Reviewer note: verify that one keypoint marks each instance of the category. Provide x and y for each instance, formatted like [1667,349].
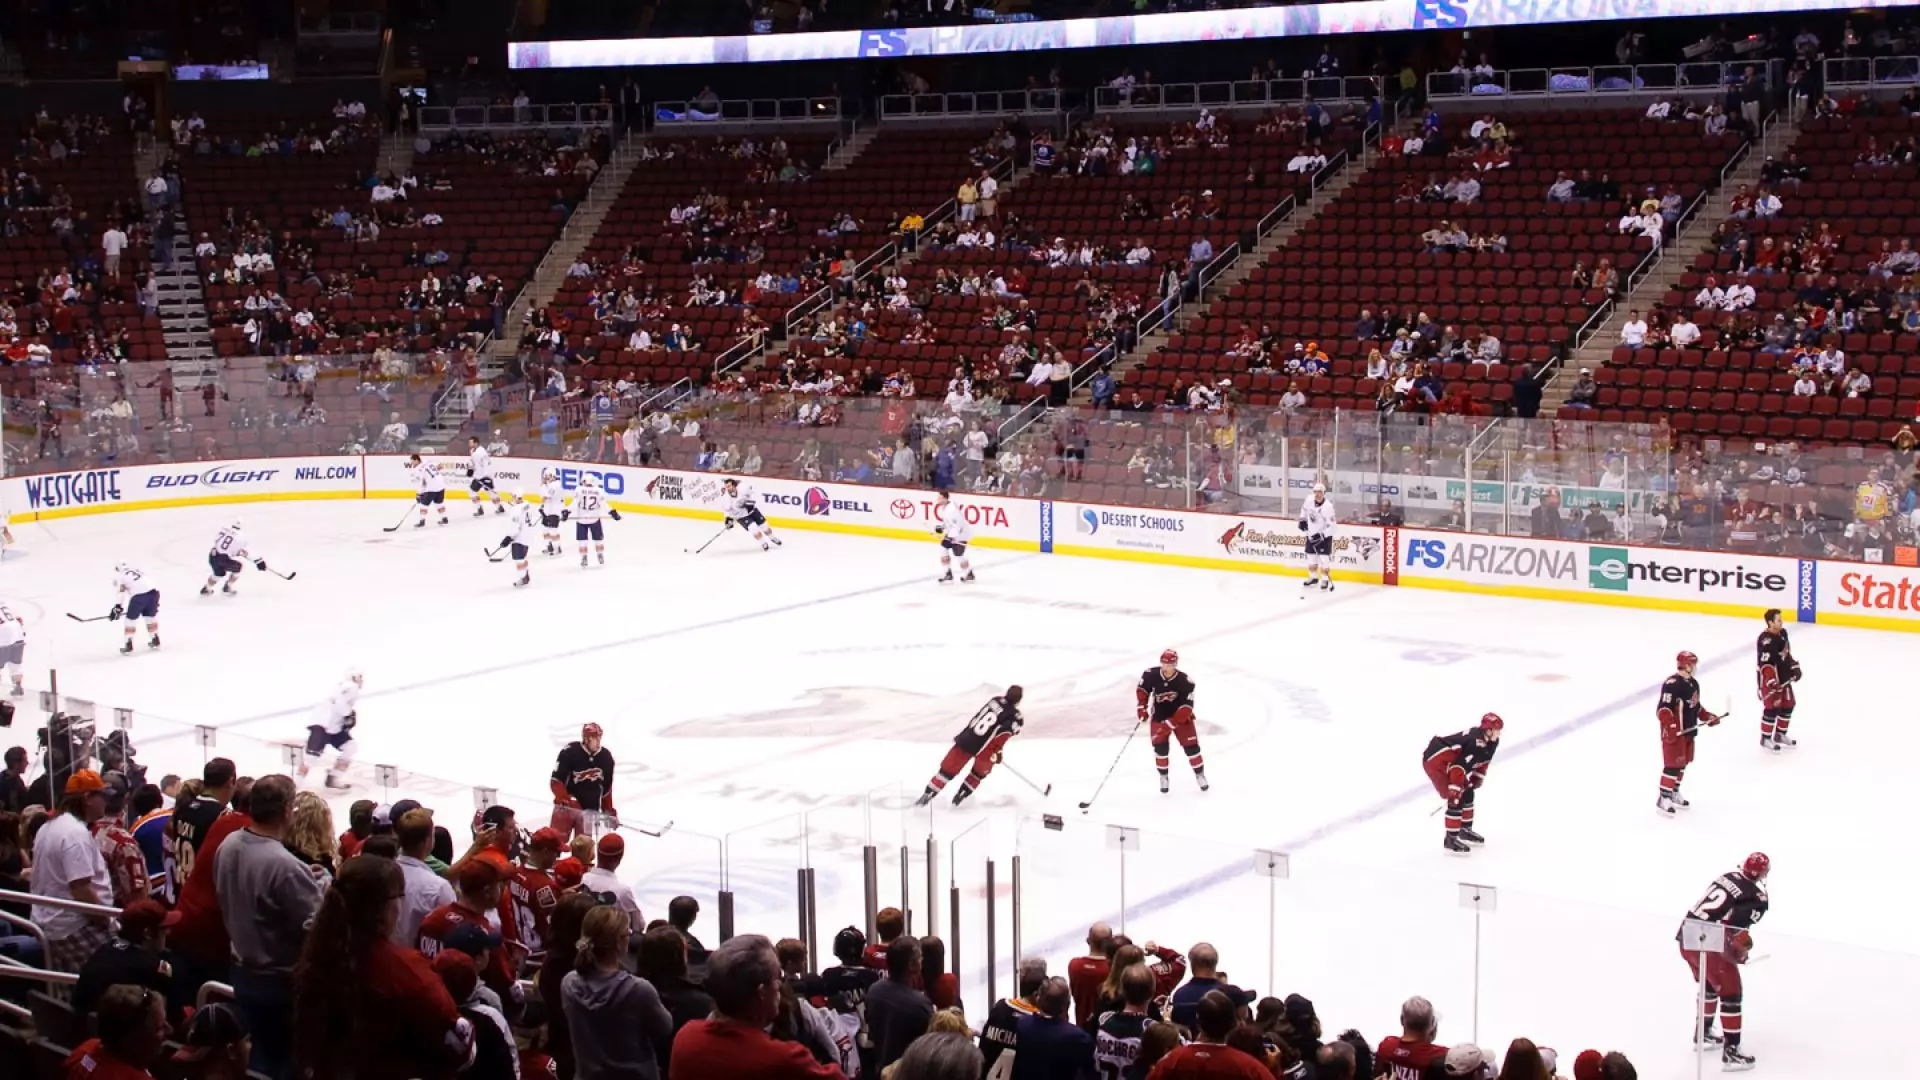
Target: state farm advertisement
[1865,594]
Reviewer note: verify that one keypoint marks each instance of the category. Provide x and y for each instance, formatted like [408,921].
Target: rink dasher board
[1870,596]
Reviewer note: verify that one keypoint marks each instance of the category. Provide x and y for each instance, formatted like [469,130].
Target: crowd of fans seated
[384,951]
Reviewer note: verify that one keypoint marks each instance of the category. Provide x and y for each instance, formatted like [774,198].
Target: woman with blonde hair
[616,1019]
[310,834]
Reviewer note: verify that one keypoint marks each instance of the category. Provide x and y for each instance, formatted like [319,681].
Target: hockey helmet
[356,676]
[236,523]
[1492,722]
[849,943]
[1169,657]
[548,474]
[590,730]
[121,568]
[1686,659]
[1757,866]
[590,480]
[1319,489]
[729,483]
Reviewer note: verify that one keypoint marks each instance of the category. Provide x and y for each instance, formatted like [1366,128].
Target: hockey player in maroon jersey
[1680,720]
[582,785]
[1165,697]
[1457,766]
[980,742]
[1778,671]
[1736,899]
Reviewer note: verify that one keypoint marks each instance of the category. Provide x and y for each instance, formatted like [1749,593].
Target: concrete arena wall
[1880,597]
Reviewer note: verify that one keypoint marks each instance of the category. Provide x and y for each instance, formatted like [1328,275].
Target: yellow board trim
[1203,562]
[190,500]
[1867,622]
[1605,599]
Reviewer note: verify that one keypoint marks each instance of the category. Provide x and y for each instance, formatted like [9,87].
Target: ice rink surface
[794,703]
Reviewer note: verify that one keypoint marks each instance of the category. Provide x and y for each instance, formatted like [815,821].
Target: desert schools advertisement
[48,496]
[1874,596]
[1670,578]
[1244,542]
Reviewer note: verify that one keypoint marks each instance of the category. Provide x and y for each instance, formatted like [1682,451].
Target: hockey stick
[396,527]
[96,618]
[655,833]
[1044,791]
[284,577]
[709,543]
[493,554]
[1116,764]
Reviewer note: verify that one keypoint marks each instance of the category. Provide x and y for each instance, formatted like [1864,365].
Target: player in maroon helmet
[1778,671]
[1457,766]
[582,785]
[1737,900]
[1680,720]
[1165,696]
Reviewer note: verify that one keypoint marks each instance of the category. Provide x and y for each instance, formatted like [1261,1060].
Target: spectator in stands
[1684,333]
[1203,961]
[215,1044]
[1584,391]
[743,975]
[1215,1015]
[616,1019]
[603,882]
[1615,1066]
[131,1023]
[1413,1050]
[661,958]
[682,912]
[13,781]
[1464,188]
[134,956]
[364,1008]
[267,898]
[1000,1034]
[1548,522]
[424,889]
[126,864]
[897,1013]
[67,865]
[1051,1046]
[940,1055]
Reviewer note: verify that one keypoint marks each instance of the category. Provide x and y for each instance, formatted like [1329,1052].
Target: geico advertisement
[1864,590]
[1605,569]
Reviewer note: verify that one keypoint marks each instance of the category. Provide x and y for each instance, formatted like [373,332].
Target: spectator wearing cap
[215,1044]
[564,941]
[126,863]
[1586,1066]
[67,866]
[494,1052]
[267,898]
[662,959]
[1300,1029]
[1086,973]
[1051,1046]
[135,956]
[353,978]
[477,885]
[602,882]
[201,951]
[1203,960]
[1215,1015]
[426,891]
[131,1026]
[1469,1062]
[1584,393]
[743,975]
[359,827]
[1412,1051]
[897,1013]
[617,1020]
[532,894]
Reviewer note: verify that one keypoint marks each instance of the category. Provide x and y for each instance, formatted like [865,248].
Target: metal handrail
[971,103]
[33,929]
[737,356]
[515,117]
[672,388]
[14,969]
[809,304]
[1599,81]
[60,902]
[1242,93]
[746,109]
[209,990]
[1871,71]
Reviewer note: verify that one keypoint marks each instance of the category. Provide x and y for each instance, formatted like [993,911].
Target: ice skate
[1665,806]
[1457,846]
[228,589]
[499,508]
[1326,585]
[153,642]
[126,649]
[1310,583]
[968,578]
[583,562]
[1200,777]
[525,579]
[944,578]
[18,691]
[1165,786]
[764,546]
[1680,801]
[961,795]
[335,783]
[775,539]
[1708,1037]
[1471,837]
[602,557]
[421,524]
[479,511]
[1732,1060]
[207,590]
[1780,743]
[443,519]
[925,798]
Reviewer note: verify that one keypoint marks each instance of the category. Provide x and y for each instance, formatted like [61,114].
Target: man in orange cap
[67,865]
[603,880]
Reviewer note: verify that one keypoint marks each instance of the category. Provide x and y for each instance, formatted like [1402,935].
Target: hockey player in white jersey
[553,503]
[955,531]
[228,558]
[332,725]
[523,520]
[432,489]
[589,506]
[743,510]
[1317,521]
[13,648]
[137,599]
[480,482]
